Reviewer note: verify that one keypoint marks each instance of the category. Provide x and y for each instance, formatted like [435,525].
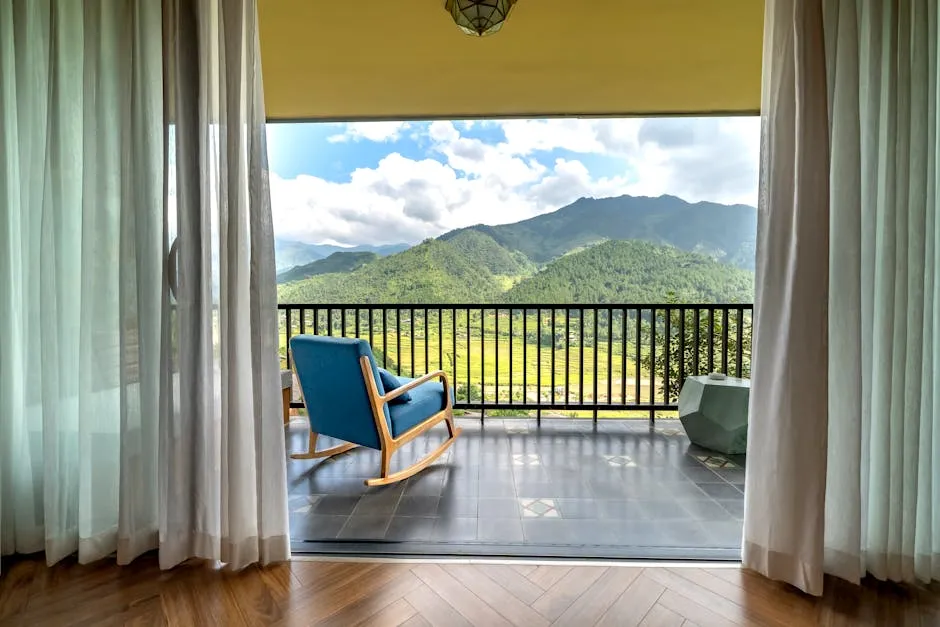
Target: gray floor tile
[458,507]
[416,529]
[372,504]
[720,490]
[500,530]
[455,530]
[551,531]
[316,528]
[364,528]
[705,510]
[496,488]
[689,533]
[663,510]
[735,507]
[578,508]
[333,504]
[417,506]
[621,510]
[499,507]
[425,484]
[701,474]
[724,534]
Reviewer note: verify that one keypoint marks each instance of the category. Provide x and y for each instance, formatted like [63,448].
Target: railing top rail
[629,306]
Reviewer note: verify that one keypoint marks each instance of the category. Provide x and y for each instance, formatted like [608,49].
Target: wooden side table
[287,385]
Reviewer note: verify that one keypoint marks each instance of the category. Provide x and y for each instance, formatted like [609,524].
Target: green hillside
[479,248]
[431,272]
[634,272]
[337,262]
[724,232]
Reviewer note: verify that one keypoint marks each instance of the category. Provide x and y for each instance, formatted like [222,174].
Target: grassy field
[416,344]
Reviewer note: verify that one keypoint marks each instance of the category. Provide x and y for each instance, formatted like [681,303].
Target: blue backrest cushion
[335,394]
[391,382]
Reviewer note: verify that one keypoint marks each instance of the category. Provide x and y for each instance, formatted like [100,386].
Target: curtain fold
[225,368]
[865,427]
[132,418]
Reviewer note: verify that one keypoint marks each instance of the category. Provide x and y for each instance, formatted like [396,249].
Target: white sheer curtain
[844,450]
[128,420]
[81,275]
[224,461]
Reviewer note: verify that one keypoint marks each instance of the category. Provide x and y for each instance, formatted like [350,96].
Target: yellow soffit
[400,59]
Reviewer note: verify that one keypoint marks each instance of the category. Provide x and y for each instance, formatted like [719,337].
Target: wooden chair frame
[389,444]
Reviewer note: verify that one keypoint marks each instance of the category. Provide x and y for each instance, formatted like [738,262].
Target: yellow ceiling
[348,59]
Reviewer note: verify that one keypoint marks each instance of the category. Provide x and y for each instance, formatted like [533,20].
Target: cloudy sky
[391,182]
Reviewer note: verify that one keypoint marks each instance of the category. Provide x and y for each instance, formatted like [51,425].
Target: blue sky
[389,182]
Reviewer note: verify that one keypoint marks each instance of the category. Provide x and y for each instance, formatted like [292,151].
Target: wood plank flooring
[448,594]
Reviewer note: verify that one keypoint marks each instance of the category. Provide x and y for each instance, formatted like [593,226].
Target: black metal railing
[620,358]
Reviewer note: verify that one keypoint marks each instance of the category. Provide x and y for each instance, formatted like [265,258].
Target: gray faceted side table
[714,412]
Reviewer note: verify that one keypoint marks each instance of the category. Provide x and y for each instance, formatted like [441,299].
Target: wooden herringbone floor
[363,593]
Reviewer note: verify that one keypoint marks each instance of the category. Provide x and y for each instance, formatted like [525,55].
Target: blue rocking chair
[346,397]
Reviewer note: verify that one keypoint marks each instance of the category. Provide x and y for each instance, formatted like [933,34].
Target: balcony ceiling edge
[406,59]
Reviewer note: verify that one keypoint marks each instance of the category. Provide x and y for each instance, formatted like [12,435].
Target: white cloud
[406,200]
[370,131]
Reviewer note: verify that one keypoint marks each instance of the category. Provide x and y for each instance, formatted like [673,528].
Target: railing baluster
[610,356]
[695,341]
[724,340]
[371,327]
[342,321]
[398,341]
[581,356]
[384,337]
[681,346]
[358,318]
[510,355]
[303,320]
[639,355]
[440,339]
[667,349]
[538,358]
[316,320]
[652,359]
[482,358]
[553,356]
[469,396]
[623,356]
[287,333]
[427,368]
[496,349]
[711,340]
[595,399]
[567,354]
[525,356]
[411,337]
[329,322]
[739,348]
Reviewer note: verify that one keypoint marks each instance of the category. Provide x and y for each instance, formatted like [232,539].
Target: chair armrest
[437,374]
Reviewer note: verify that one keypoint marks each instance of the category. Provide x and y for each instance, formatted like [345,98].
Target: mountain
[431,272]
[634,272]
[337,262]
[290,253]
[724,232]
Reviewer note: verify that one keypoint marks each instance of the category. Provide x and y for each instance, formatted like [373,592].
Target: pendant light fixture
[479,17]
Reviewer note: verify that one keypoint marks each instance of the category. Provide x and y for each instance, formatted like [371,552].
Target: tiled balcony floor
[510,487]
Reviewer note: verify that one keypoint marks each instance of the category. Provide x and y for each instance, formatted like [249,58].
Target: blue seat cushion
[391,382]
[426,400]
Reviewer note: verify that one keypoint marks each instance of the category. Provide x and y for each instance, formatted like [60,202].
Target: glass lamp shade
[479,17]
